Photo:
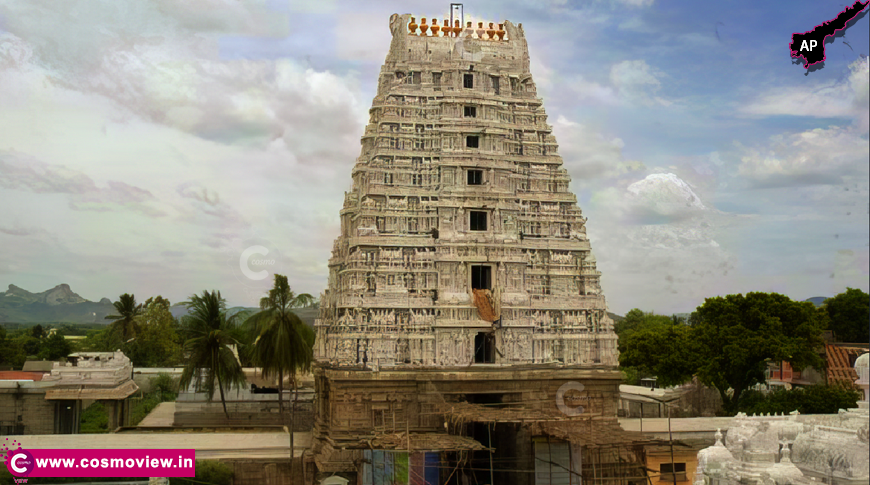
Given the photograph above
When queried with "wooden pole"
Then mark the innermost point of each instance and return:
(550, 452)
(641, 417)
(570, 463)
(671, 438)
(489, 438)
(594, 473)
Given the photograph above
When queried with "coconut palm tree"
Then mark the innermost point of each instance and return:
(125, 321)
(209, 334)
(282, 343)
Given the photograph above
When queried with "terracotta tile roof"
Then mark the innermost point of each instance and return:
(839, 363)
(17, 375)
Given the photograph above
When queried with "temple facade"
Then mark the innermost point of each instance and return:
(462, 288)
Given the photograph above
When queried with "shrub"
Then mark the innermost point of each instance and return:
(165, 386)
(142, 408)
(209, 471)
(94, 419)
(817, 399)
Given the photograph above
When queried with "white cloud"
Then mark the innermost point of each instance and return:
(114, 117)
(656, 241)
(847, 98)
(587, 154)
(631, 83)
(634, 3)
(819, 156)
(637, 82)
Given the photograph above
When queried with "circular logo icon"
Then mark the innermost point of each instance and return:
(253, 263)
(20, 463)
(560, 398)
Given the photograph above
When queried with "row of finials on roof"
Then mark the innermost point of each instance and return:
(482, 33)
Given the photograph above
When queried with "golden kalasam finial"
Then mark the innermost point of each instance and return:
(445, 31)
(435, 28)
(423, 26)
(490, 32)
(500, 32)
(413, 26)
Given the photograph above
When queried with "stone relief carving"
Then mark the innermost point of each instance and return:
(405, 259)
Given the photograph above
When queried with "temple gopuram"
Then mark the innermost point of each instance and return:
(464, 337)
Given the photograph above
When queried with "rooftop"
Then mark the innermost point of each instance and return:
(17, 375)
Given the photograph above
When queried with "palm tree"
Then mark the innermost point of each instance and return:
(125, 320)
(282, 343)
(209, 334)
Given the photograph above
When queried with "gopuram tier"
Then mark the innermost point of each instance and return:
(460, 241)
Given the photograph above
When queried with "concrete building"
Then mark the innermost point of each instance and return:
(51, 403)
(464, 336)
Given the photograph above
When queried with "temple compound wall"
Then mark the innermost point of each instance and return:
(462, 274)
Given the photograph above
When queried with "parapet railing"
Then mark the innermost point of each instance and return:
(433, 30)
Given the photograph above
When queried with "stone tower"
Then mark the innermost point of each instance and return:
(461, 248)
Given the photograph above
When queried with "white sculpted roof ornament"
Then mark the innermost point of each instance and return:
(788, 450)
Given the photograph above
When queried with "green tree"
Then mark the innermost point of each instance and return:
(37, 332)
(734, 336)
(165, 386)
(283, 344)
(101, 340)
(849, 315)
(30, 344)
(817, 399)
(54, 347)
(156, 343)
(210, 334)
(94, 419)
(660, 347)
(637, 319)
(125, 321)
(10, 353)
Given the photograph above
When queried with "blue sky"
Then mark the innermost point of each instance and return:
(145, 145)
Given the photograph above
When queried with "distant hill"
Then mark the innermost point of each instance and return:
(178, 310)
(307, 315)
(58, 304)
(817, 300)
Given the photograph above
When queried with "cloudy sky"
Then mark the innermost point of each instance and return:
(144, 146)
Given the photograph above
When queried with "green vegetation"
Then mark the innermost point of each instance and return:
(209, 334)
(282, 343)
(94, 419)
(654, 345)
(735, 336)
(208, 471)
(31, 342)
(726, 343)
(125, 321)
(818, 399)
(164, 388)
(157, 342)
(847, 315)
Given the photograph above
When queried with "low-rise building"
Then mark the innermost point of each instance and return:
(51, 403)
